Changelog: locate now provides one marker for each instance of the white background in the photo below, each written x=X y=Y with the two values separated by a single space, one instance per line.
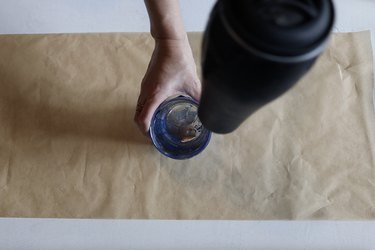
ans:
x=66 y=16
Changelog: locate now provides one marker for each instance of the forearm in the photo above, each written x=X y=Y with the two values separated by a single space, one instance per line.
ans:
x=165 y=19
x=171 y=70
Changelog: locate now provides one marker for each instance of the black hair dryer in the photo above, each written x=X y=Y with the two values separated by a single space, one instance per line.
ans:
x=254 y=51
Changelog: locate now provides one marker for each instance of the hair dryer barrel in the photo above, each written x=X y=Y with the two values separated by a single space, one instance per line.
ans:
x=254 y=51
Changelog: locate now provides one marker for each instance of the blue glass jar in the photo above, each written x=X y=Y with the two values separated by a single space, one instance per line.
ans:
x=176 y=130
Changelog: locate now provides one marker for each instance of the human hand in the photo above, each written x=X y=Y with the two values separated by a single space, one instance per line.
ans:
x=171 y=72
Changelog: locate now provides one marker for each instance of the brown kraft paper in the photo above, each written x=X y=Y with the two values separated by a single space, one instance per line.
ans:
x=69 y=146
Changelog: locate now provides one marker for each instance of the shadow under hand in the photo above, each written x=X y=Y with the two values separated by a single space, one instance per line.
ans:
x=108 y=123
x=59 y=110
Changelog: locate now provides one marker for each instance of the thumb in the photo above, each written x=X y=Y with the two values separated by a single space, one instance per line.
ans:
x=144 y=116
x=195 y=90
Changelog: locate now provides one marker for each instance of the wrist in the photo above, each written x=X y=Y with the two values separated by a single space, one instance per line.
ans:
x=168 y=32
x=174 y=47
x=165 y=19
x=181 y=41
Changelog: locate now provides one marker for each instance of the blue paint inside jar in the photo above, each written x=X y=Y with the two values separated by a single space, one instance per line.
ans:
x=176 y=130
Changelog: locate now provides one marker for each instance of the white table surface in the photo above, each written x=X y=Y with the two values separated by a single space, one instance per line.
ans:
x=67 y=16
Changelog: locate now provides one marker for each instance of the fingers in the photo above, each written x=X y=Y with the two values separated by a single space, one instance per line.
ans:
x=194 y=90
x=146 y=107
x=196 y=94
x=139 y=108
x=145 y=110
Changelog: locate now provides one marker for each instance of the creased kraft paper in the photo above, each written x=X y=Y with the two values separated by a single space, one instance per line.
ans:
x=69 y=147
